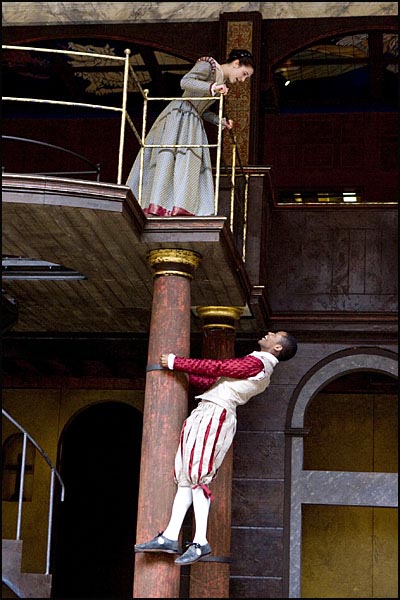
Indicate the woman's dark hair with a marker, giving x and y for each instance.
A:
(243, 56)
(289, 347)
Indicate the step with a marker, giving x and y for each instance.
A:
(11, 551)
(24, 585)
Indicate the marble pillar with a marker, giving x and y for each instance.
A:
(165, 408)
(209, 578)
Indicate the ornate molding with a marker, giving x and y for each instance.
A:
(174, 261)
(223, 317)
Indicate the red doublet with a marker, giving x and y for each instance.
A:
(238, 368)
(208, 432)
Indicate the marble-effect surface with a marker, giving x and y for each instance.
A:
(56, 13)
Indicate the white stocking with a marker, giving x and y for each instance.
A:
(182, 501)
(201, 507)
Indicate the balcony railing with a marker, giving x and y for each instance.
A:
(238, 193)
(96, 167)
(128, 72)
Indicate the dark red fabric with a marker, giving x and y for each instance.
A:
(206, 490)
(155, 209)
(181, 437)
(180, 212)
(205, 439)
(221, 422)
(160, 211)
(201, 382)
(191, 461)
(237, 368)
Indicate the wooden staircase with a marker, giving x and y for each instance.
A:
(24, 585)
(28, 585)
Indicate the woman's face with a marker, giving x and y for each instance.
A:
(239, 73)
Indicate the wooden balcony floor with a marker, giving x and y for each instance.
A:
(99, 230)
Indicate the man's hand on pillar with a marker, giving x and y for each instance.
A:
(164, 361)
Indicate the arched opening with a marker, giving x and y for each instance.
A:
(352, 71)
(351, 550)
(12, 466)
(95, 526)
(334, 483)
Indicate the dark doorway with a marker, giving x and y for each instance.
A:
(96, 524)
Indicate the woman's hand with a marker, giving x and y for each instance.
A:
(227, 123)
(220, 88)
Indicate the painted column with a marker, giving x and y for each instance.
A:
(165, 408)
(209, 578)
(243, 30)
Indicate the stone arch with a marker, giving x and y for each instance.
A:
(324, 487)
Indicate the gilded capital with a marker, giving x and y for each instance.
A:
(219, 316)
(174, 261)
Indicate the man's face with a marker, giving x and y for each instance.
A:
(272, 342)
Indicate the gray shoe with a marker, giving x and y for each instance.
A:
(194, 553)
(159, 544)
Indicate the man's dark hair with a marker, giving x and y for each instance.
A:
(289, 347)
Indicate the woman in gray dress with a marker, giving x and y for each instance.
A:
(178, 181)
